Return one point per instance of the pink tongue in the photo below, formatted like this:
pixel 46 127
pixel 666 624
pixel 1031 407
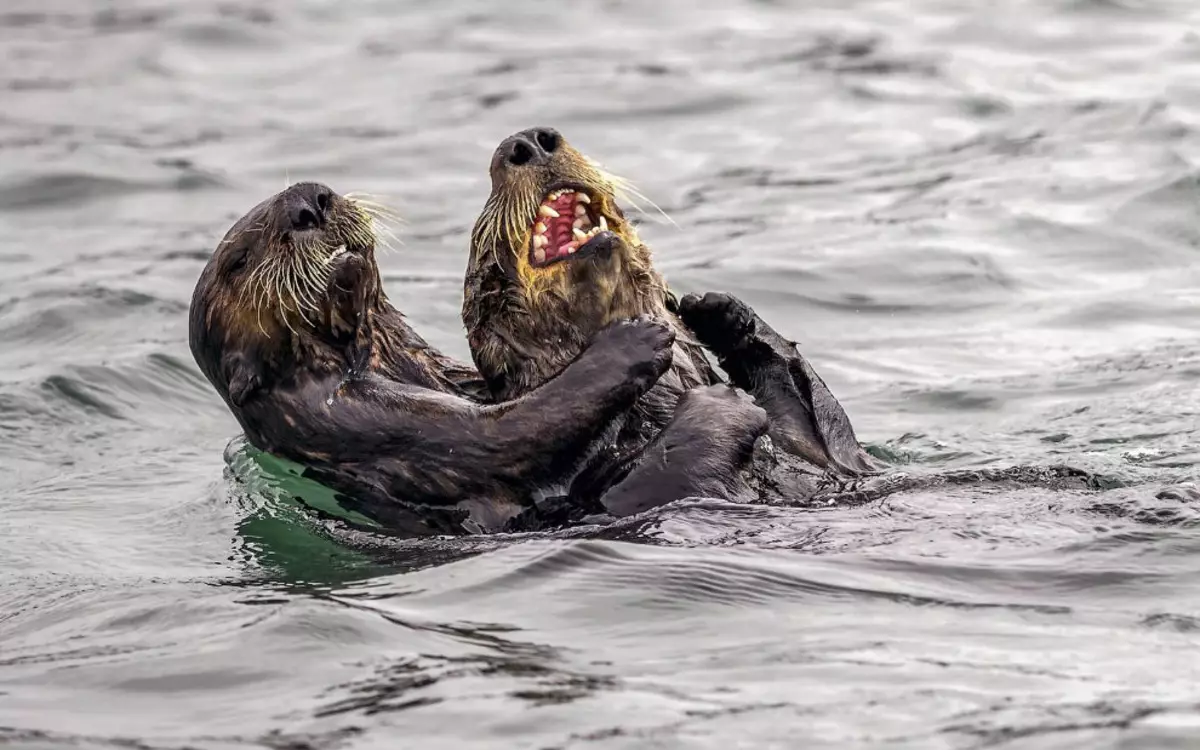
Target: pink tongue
pixel 558 231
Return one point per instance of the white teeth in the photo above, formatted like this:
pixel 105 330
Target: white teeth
pixel 582 198
pixel 580 210
pixel 540 241
pixel 338 251
pixel 603 225
pixel 547 212
pixel 539 228
pixel 571 248
pixel 539 255
pixel 579 234
pixel 578 223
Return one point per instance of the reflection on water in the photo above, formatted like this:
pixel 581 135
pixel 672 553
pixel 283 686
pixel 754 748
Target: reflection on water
pixel 980 222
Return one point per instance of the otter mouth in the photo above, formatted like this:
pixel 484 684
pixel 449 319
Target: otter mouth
pixel 345 248
pixel 314 245
pixel 567 223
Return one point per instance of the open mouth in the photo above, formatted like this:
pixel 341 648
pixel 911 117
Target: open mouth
pixel 347 248
pixel 566 222
pixel 315 246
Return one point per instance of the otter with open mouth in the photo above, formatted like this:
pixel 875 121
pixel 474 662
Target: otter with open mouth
pixel 290 324
pixel 553 260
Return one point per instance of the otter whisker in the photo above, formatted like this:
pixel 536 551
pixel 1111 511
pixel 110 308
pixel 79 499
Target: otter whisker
pixel 488 231
pixel 259 284
pixel 295 283
pixel 369 222
pixel 384 243
pixel 278 281
pixel 381 230
pixel 310 277
pixel 305 284
pixel 299 295
pixel 373 201
pixel 379 211
pixel 371 217
pixel 317 260
pixel 626 191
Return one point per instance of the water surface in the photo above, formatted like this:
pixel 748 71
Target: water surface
pixel 980 220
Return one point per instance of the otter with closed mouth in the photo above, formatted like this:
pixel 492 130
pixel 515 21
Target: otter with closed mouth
pixel 553 259
pixel 290 324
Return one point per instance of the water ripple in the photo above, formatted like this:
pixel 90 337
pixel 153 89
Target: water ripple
pixel 979 221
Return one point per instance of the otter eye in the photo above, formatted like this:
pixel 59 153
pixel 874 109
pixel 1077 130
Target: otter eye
pixel 237 259
pixel 547 140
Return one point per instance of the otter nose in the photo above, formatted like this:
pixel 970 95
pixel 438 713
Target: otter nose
pixel 531 147
pixel 307 205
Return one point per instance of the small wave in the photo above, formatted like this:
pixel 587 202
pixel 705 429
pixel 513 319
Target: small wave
pixel 67 189
pixel 667 579
pixel 89 397
pixel 51 321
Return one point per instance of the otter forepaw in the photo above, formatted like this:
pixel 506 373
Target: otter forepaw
pixel 644 344
pixel 720 321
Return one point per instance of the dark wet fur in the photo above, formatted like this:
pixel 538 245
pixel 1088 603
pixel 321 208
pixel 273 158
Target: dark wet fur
pixel 806 419
pixel 518 346
pixel 525 324
pixel 351 391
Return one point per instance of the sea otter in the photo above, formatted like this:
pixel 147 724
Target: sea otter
pixel 553 260
pixel 290 324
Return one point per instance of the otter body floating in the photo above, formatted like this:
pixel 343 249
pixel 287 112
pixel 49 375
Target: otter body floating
pixel 554 259
pixel 290 324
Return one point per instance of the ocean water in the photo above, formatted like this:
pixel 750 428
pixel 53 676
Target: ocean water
pixel 981 221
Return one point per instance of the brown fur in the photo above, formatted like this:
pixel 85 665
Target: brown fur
pixel 262 324
pixel 290 324
pixel 300 341
pixel 525 323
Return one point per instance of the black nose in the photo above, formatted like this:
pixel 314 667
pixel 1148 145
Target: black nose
pixel 531 147
pixel 307 204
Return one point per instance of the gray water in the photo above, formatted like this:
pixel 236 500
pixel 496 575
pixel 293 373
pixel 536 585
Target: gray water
pixel 981 221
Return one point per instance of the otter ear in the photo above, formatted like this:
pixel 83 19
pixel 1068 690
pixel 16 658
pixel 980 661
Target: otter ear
pixel 243 376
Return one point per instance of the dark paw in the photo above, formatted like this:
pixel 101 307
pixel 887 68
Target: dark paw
pixel 720 321
pixel 346 272
pixel 643 344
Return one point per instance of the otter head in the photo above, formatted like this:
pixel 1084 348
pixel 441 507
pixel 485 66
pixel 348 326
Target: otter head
pixel 293 281
pixel 552 223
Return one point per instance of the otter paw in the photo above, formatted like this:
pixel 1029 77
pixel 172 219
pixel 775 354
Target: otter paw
pixel 643 344
pixel 721 321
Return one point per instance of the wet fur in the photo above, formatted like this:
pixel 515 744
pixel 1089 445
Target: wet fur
pixel 331 375
pixel 524 323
